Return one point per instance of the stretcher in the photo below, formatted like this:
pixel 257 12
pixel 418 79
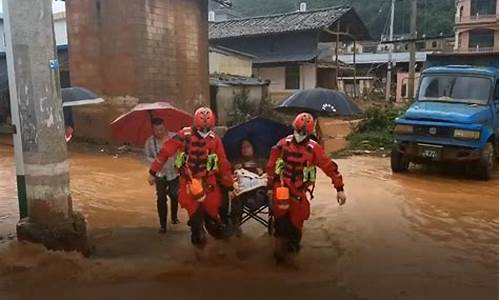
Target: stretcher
pixel 254 186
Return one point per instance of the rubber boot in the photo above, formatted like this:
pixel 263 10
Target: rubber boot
pixel 280 250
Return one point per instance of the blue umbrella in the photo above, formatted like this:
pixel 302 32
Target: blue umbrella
pixel 261 132
pixel 77 96
pixel 320 102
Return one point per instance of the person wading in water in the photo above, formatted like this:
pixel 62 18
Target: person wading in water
pixel 167 179
pixel 202 162
pixel 291 171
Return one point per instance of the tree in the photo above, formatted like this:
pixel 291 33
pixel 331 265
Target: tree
pixel 434 17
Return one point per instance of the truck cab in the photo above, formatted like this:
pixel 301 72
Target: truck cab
pixel 454 119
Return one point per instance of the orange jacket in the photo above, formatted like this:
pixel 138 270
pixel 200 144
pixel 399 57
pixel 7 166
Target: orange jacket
pixel 297 156
pixel 197 149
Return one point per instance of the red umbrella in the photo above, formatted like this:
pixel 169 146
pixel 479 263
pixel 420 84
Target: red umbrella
pixel 134 127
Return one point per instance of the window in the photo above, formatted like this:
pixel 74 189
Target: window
pixel 481 38
pixel 292 77
pixel 483 7
pixel 434 44
pixel 447 88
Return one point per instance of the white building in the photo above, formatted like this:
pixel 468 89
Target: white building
pixel 59 30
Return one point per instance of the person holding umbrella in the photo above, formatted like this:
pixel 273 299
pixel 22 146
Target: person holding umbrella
pixel 75 96
pixel 167 179
pixel 202 162
pixel 291 174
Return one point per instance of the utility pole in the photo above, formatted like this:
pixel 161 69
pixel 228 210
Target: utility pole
pixel 354 64
pixel 337 67
pixel 389 63
pixel 413 37
pixel 40 148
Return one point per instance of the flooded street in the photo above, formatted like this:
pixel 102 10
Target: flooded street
pixel 420 235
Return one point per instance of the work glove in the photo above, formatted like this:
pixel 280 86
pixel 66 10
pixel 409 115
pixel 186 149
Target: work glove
pixel 341 198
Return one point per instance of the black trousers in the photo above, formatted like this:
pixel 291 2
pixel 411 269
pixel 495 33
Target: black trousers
pixel 224 208
pixel 200 221
pixel 291 235
pixel 166 188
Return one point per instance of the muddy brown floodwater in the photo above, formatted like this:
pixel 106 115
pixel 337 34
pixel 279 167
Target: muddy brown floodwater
pixel 421 235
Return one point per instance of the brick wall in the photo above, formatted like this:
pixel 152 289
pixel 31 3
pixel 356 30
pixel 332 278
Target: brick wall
pixel 149 49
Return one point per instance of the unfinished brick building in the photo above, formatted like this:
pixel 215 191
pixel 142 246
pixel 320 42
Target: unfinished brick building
pixel 148 49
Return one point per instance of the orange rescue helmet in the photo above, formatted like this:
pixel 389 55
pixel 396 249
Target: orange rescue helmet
pixel 304 123
pixel 204 118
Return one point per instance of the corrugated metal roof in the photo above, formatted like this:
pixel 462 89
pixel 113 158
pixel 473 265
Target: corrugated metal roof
pixel 377 58
pixel 286 57
pixel 230 80
pixel 279 23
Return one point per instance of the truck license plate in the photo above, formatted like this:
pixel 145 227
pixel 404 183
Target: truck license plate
pixel 430 153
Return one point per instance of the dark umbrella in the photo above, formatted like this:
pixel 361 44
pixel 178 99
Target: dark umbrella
pixel 76 96
pixel 261 132
pixel 320 102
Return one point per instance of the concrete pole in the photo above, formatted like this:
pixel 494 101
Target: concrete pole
pixel 18 153
pixel 389 63
pixel 37 108
pixel 337 67
pixel 354 64
pixel 413 37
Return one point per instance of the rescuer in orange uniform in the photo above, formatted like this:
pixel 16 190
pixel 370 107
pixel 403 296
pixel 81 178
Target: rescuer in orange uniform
pixel 202 163
pixel 291 173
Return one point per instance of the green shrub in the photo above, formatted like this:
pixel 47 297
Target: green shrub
pixel 379 119
pixel 374 132
pixel 244 110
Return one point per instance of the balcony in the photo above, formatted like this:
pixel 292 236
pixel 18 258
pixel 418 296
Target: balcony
pixel 476 50
pixel 477 19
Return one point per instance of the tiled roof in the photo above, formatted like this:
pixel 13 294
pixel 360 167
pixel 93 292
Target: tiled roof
pixel 226 3
pixel 280 23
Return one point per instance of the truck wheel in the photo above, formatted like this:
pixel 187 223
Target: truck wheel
pixel 487 162
pixel 398 162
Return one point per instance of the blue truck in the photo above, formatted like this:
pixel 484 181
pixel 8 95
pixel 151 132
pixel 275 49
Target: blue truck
pixel 454 117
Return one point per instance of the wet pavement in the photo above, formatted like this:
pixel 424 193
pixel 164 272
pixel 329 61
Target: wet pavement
pixel 421 235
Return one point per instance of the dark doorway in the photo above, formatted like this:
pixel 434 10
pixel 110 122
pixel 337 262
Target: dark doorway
pixel 326 78
pixel 213 98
